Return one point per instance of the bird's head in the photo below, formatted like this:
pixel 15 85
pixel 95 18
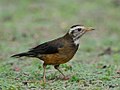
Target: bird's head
pixel 76 31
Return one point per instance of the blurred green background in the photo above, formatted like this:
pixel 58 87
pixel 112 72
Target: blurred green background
pixel 27 23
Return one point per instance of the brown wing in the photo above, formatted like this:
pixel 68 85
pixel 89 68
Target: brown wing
pixel 47 48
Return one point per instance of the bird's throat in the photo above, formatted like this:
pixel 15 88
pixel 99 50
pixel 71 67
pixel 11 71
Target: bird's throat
pixel 77 41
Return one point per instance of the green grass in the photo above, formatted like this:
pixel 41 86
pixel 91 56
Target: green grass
pixel 27 23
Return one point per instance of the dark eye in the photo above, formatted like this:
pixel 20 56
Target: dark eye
pixel 79 29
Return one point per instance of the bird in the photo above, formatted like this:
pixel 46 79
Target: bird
pixel 57 51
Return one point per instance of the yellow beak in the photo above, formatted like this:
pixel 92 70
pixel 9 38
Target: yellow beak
pixel 89 29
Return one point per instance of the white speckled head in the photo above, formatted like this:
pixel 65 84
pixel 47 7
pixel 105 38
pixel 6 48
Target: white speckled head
pixel 76 31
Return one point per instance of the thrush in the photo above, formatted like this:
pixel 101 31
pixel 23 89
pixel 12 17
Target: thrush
pixel 58 51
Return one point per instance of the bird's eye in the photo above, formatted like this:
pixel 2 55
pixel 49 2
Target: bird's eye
pixel 79 29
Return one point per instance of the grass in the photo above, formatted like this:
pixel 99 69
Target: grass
pixel 26 23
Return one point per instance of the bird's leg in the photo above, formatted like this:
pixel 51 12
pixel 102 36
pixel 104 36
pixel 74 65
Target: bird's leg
pixel 57 67
pixel 44 67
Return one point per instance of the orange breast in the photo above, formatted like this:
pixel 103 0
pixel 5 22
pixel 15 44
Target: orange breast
pixel 64 54
pixel 55 59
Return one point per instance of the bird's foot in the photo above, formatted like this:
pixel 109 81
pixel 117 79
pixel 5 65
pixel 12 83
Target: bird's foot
pixel 42 82
pixel 66 78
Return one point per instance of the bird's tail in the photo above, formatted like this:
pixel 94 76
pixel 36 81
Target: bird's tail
pixel 27 54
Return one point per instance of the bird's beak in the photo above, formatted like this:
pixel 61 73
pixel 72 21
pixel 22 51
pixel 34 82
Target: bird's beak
pixel 89 29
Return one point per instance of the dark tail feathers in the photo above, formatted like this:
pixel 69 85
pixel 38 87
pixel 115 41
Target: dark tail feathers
pixel 23 54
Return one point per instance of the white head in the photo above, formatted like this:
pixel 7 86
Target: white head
pixel 76 31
